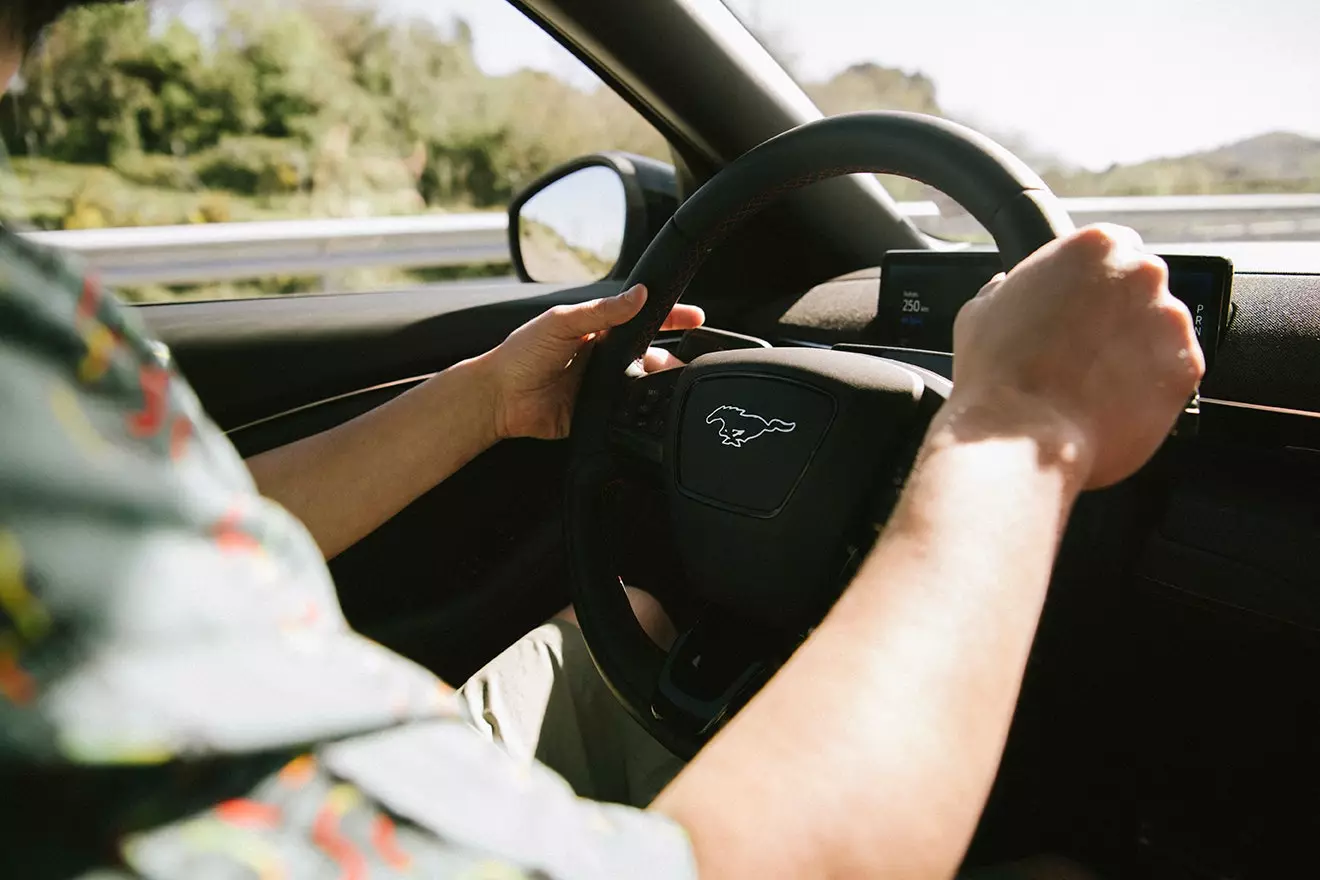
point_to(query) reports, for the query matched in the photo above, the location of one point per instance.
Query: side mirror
(591, 219)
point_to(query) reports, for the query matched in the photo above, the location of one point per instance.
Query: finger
(1149, 272)
(684, 317)
(578, 364)
(597, 315)
(657, 359)
(992, 285)
(1103, 239)
(1189, 350)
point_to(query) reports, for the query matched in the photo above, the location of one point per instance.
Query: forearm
(883, 770)
(345, 482)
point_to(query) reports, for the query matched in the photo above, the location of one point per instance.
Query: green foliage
(253, 166)
(154, 170)
(312, 107)
(275, 286)
(872, 87)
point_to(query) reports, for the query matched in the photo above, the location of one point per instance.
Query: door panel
(468, 567)
(251, 359)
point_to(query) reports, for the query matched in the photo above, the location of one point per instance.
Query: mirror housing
(572, 223)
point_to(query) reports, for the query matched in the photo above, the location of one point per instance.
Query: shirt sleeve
(432, 799)
(168, 637)
(153, 606)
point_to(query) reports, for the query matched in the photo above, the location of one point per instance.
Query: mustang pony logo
(737, 425)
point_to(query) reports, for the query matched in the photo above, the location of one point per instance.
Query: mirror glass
(572, 231)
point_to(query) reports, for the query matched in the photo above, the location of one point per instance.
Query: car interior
(1169, 723)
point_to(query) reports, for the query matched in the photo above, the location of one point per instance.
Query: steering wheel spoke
(639, 423)
(713, 669)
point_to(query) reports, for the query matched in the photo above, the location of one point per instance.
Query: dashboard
(1165, 673)
(1263, 385)
(922, 291)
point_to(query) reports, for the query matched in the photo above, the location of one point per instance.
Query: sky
(1092, 82)
(588, 208)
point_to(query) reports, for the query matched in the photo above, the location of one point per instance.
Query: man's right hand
(1085, 336)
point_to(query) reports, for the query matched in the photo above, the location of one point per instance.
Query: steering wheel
(779, 464)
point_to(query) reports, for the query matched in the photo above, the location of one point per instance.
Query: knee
(649, 612)
(652, 616)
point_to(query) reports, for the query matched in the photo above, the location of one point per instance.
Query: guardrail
(1249, 217)
(213, 252)
(185, 254)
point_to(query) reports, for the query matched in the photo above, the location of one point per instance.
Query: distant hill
(1279, 161)
(1279, 154)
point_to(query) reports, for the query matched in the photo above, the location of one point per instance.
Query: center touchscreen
(922, 291)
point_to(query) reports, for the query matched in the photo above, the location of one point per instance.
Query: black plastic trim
(249, 359)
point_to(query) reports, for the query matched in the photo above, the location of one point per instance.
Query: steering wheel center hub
(771, 457)
(746, 439)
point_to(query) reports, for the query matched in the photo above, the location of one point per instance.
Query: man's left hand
(536, 372)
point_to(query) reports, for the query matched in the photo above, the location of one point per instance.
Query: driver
(180, 695)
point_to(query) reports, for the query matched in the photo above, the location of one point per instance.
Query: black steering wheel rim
(999, 190)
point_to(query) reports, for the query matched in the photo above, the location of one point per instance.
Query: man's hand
(1085, 337)
(537, 370)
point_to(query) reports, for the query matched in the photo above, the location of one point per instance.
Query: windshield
(1120, 106)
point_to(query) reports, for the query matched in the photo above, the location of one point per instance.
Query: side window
(377, 143)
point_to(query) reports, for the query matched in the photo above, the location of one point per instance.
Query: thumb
(598, 315)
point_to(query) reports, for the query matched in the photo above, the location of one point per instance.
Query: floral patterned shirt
(180, 695)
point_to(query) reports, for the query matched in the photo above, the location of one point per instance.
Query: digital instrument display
(922, 291)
